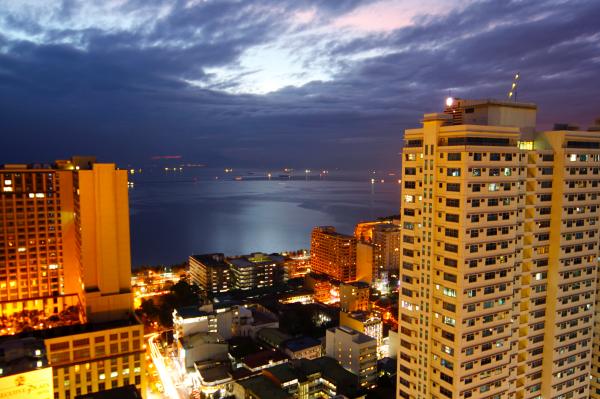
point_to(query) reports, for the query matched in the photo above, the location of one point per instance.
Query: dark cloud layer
(128, 94)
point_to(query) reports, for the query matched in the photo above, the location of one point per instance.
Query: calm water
(172, 219)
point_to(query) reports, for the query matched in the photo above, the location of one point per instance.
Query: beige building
(333, 254)
(95, 357)
(595, 381)
(498, 259)
(367, 324)
(355, 351)
(355, 296)
(366, 269)
(386, 243)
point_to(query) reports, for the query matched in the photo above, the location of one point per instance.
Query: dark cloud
(128, 94)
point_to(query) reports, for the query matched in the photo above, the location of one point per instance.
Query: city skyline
(332, 83)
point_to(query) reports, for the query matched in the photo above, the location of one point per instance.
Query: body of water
(174, 218)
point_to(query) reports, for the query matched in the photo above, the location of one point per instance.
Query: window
(453, 172)
(455, 203)
(454, 156)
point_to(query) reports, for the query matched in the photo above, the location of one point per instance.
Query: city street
(165, 372)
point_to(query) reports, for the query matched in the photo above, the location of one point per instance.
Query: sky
(277, 83)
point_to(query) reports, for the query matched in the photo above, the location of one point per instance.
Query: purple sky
(275, 83)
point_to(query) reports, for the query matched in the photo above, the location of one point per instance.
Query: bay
(174, 217)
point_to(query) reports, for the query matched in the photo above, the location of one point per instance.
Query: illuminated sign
(34, 384)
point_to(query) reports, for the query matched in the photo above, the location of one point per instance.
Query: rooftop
(82, 328)
(201, 338)
(262, 387)
(357, 337)
(272, 336)
(301, 343)
(188, 312)
(211, 260)
(263, 358)
(286, 372)
(213, 372)
(126, 392)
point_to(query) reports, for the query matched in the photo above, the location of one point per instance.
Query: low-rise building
(365, 323)
(212, 379)
(199, 347)
(355, 351)
(263, 359)
(303, 348)
(24, 370)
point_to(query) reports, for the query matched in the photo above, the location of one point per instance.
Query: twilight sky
(275, 83)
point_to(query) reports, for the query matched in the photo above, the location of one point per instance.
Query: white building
(355, 351)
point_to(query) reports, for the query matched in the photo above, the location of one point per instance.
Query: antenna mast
(513, 89)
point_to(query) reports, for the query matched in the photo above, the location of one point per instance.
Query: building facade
(355, 351)
(39, 266)
(65, 262)
(210, 272)
(498, 259)
(386, 242)
(355, 297)
(95, 357)
(333, 254)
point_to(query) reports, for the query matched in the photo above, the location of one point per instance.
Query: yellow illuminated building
(498, 256)
(96, 356)
(102, 213)
(65, 253)
(333, 254)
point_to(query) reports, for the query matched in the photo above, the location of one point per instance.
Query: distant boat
(238, 178)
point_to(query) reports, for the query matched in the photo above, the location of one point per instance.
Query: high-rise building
(355, 351)
(595, 381)
(102, 220)
(210, 272)
(39, 266)
(65, 259)
(333, 254)
(498, 260)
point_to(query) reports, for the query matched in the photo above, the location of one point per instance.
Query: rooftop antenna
(513, 88)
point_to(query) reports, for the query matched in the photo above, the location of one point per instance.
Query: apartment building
(333, 254)
(498, 256)
(355, 351)
(210, 272)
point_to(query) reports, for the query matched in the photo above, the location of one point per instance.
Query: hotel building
(64, 245)
(333, 254)
(499, 256)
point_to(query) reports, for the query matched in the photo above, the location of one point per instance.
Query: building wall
(333, 254)
(366, 270)
(498, 263)
(95, 361)
(360, 358)
(38, 266)
(103, 208)
(354, 297)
